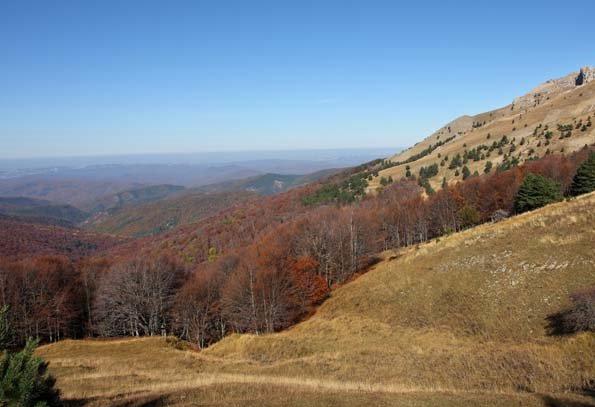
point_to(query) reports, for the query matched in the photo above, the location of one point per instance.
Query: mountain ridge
(556, 116)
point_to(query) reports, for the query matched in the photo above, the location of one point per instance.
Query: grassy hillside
(460, 321)
(556, 117)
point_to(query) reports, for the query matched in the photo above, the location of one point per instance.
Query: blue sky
(116, 77)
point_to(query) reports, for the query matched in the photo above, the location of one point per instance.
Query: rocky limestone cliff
(585, 75)
(545, 90)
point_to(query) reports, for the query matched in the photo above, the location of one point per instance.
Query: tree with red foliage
(312, 287)
(260, 296)
(197, 310)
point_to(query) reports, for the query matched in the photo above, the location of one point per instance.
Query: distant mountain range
(157, 209)
(83, 181)
(142, 210)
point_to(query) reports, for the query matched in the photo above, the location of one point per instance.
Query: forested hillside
(163, 215)
(132, 197)
(40, 211)
(24, 240)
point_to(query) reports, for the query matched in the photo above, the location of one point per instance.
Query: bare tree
(135, 298)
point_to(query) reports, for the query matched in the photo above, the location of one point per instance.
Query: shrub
(488, 167)
(535, 192)
(428, 172)
(456, 162)
(425, 184)
(579, 317)
(468, 216)
(584, 180)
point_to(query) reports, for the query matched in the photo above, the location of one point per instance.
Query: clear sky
(115, 77)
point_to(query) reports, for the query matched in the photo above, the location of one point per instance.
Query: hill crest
(557, 116)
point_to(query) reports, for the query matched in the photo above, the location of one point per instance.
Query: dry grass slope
(564, 106)
(460, 321)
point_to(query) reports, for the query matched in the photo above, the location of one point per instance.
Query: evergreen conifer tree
(466, 172)
(584, 179)
(24, 379)
(535, 192)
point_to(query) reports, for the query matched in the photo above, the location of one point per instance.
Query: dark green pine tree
(466, 172)
(535, 192)
(584, 179)
(24, 379)
(488, 167)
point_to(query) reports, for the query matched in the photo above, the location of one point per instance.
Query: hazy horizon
(350, 155)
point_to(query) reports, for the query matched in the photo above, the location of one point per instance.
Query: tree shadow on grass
(579, 317)
(557, 324)
(550, 401)
(123, 401)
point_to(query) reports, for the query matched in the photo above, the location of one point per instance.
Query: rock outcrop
(585, 75)
(553, 86)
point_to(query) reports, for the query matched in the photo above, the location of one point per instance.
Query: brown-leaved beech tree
(91, 271)
(197, 308)
(257, 298)
(408, 221)
(387, 208)
(273, 286)
(339, 239)
(135, 298)
(44, 298)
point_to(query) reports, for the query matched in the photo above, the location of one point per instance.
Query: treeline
(270, 279)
